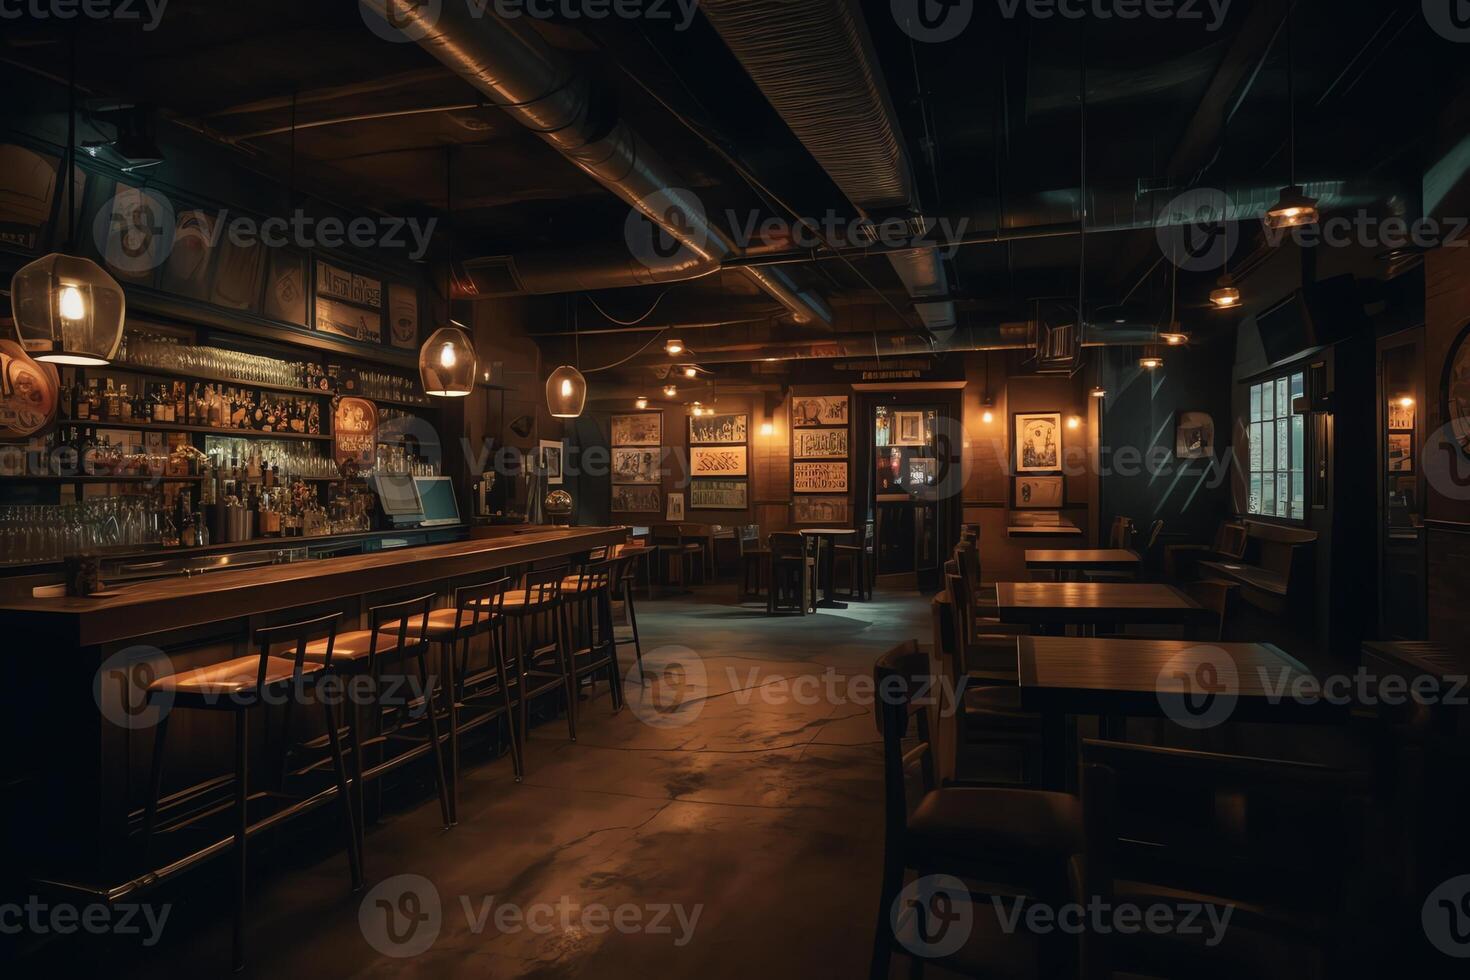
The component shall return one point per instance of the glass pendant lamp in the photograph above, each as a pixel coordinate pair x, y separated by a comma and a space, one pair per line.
447, 363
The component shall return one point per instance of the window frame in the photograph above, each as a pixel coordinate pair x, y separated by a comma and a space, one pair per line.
1297, 466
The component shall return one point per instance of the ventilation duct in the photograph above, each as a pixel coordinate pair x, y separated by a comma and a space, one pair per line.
815, 63
532, 83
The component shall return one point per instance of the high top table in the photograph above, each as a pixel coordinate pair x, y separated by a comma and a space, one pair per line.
828, 536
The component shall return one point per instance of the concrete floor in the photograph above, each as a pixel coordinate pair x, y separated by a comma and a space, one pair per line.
756, 808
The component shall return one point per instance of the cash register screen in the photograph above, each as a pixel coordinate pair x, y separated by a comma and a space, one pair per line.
399, 496
440, 506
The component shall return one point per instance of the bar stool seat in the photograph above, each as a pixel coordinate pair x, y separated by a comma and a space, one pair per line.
225, 679
997, 825
444, 624
354, 645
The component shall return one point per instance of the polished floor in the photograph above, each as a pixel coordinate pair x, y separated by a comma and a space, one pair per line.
737, 836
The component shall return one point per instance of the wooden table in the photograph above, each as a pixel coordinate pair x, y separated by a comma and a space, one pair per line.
1041, 604
828, 536
1072, 560
1043, 530
1062, 676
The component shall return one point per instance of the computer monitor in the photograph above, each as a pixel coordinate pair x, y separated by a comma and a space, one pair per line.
440, 507
399, 498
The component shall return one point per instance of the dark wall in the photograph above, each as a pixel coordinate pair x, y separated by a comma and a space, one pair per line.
1141, 476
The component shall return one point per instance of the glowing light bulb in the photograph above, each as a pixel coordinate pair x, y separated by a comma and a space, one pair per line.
987, 416
767, 428
670, 391
71, 304
1406, 402
1073, 422
641, 401
566, 387
447, 357
674, 347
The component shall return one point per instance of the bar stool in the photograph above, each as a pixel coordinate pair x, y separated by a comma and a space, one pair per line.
629, 555
239, 686
536, 639
858, 560
587, 612
397, 636
753, 558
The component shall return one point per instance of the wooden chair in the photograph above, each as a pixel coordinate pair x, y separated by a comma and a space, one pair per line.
1146, 560
243, 687
625, 615
1207, 828
753, 559
859, 561
481, 691
537, 644
1019, 842
1121, 534
791, 570
1229, 545
592, 649
681, 560
1218, 597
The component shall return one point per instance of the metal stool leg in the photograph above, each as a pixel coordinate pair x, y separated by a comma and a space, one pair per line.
339, 768
438, 749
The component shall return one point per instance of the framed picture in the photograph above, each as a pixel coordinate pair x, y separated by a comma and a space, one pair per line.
1039, 491
819, 511
551, 453
717, 461
819, 477
1194, 436
908, 429
642, 429
635, 500
922, 471
1401, 452
1400, 416
718, 494
1038, 442
717, 429
637, 465
675, 510
819, 444
1455, 391
810, 410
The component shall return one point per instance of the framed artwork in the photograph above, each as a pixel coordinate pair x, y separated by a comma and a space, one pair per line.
717, 461
1039, 491
354, 433
908, 429
637, 465
1455, 391
635, 500
403, 315
1194, 436
675, 511
819, 477
922, 471
810, 410
819, 511
718, 494
1400, 416
1400, 452
819, 444
642, 429
551, 464
1038, 442
717, 429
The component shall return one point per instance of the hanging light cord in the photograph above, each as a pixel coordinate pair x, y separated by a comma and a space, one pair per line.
1291, 97
640, 350
71, 145
637, 320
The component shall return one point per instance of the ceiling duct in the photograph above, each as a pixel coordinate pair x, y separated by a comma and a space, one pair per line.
815, 63
514, 67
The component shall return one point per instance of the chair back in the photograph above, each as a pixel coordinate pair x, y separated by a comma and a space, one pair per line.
594, 578
1121, 535
696, 532
970, 532
967, 560
666, 534
787, 544
290, 640
479, 605
748, 538
899, 677
541, 587
1231, 540
406, 621
1219, 598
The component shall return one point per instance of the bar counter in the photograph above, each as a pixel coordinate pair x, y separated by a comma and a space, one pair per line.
76, 752
174, 603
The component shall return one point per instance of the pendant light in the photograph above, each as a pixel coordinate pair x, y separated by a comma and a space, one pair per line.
1225, 295
641, 401
1153, 357
1293, 208
67, 309
447, 360
566, 389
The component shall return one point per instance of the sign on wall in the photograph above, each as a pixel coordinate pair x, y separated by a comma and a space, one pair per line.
635, 500
636, 465
642, 429
819, 443
354, 433
717, 429
819, 477
811, 410
718, 494
717, 461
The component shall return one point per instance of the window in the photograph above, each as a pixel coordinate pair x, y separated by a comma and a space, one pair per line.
1278, 450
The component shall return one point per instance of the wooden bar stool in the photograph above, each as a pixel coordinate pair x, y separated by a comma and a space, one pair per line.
536, 644
238, 687
753, 558
858, 560
622, 596
397, 637
587, 623
793, 572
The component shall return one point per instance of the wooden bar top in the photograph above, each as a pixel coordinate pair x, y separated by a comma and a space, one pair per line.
172, 603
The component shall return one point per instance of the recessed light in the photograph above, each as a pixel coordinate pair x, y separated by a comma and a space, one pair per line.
670, 391
672, 347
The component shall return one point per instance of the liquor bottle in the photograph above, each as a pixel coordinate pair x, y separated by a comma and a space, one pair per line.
179, 404
109, 403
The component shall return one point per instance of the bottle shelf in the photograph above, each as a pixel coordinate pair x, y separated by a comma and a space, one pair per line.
160, 372
208, 430
97, 478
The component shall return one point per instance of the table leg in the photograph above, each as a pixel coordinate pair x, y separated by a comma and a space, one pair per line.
826, 565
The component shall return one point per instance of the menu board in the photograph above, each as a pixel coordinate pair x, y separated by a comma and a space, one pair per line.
349, 304
819, 477
354, 433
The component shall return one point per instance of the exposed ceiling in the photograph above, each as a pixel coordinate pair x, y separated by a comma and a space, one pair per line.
990, 120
